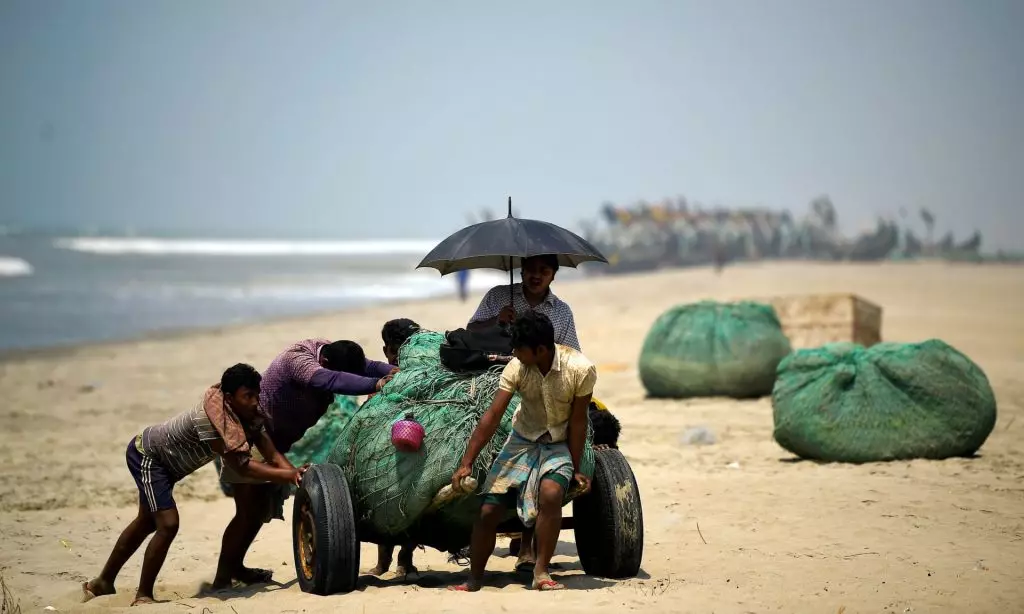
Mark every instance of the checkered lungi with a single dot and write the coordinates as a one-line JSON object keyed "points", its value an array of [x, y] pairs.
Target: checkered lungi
{"points": [[520, 466]]}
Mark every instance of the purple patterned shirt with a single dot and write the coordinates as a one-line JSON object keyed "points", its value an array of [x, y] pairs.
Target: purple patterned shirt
{"points": [[296, 391]]}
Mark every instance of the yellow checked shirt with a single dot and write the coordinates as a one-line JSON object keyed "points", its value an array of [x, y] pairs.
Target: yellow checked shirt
{"points": [[546, 400]]}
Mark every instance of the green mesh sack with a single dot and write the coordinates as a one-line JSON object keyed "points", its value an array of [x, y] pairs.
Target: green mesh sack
{"points": [[318, 441], [711, 349], [392, 489], [843, 402]]}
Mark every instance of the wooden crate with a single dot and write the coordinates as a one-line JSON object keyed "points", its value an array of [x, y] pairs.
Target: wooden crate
{"points": [[814, 320]]}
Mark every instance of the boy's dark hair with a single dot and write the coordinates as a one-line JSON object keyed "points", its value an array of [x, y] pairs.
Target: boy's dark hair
{"points": [[396, 332], [345, 356], [606, 427], [533, 330], [240, 376], [550, 260]]}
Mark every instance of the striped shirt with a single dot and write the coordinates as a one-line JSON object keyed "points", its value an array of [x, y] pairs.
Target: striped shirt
{"points": [[554, 308], [182, 444]]}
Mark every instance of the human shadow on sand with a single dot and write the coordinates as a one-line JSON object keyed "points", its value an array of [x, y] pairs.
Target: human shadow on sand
{"points": [[569, 573], [492, 579], [243, 591]]}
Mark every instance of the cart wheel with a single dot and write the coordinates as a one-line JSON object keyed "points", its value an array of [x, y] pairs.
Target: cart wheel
{"points": [[324, 537], [609, 520]]}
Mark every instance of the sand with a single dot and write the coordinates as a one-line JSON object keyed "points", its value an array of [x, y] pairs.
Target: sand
{"points": [[775, 535]]}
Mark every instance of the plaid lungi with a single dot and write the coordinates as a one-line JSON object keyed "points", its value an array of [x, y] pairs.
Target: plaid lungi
{"points": [[521, 465]]}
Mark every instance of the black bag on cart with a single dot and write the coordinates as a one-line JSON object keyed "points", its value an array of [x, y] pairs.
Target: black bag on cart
{"points": [[469, 351]]}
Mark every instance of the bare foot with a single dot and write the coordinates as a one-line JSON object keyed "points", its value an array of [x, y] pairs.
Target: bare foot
{"points": [[466, 587], [143, 600], [96, 588], [379, 570], [407, 572], [526, 561], [254, 575]]}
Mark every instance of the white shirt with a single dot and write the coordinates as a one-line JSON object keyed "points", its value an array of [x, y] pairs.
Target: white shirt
{"points": [[557, 310]]}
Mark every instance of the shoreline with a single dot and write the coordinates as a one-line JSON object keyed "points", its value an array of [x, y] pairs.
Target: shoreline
{"points": [[185, 332], [16, 354]]}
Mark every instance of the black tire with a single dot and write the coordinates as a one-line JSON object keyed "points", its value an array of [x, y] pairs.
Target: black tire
{"points": [[323, 517], [609, 520]]}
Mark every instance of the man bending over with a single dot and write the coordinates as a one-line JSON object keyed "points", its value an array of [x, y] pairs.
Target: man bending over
{"points": [[542, 454], [298, 387], [227, 422]]}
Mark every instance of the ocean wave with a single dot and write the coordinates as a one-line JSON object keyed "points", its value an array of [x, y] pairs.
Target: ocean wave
{"points": [[116, 246], [14, 267], [351, 289]]}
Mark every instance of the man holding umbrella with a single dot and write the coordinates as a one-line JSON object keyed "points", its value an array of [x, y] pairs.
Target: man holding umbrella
{"points": [[532, 294], [538, 247]]}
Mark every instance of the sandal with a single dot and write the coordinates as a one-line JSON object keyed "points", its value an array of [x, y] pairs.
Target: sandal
{"points": [[463, 588], [547, 584]]}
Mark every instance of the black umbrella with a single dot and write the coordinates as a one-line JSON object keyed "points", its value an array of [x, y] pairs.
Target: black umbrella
{"points": [[503, 244]]}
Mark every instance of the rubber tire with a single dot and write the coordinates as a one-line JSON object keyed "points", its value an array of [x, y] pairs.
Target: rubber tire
{"points": [[336, 565], [609, 520]]}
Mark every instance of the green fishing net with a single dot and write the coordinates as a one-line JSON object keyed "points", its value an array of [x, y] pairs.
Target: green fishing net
{"points": [[713, 349], [843, 402]]}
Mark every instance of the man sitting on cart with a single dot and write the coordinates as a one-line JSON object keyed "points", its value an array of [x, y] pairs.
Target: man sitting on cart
{"points": [[533, 294], [542, 455]]}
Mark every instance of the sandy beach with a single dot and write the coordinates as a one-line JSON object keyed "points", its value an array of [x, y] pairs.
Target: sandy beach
{"points": [[775, 534]]}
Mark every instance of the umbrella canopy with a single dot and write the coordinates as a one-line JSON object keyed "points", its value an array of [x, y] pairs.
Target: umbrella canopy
{"points": [[503, 244]]}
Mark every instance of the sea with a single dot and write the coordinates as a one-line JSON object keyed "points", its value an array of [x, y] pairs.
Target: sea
{"points": [[65, 290]]}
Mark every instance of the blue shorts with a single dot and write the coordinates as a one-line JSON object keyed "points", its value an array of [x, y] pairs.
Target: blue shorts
{"points": [[154, 481]]}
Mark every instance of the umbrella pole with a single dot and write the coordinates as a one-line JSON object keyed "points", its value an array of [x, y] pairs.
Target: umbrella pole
{"points": [[511, 279]]}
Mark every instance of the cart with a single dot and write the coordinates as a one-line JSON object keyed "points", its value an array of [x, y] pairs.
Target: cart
{"points": [[328, 527]]}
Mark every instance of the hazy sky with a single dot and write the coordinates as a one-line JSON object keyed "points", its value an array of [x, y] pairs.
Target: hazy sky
{"points": [[306, 118]]}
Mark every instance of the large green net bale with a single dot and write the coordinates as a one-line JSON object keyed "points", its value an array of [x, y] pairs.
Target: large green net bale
{"points": [[843, 402], [711, 349], [392, 489]]}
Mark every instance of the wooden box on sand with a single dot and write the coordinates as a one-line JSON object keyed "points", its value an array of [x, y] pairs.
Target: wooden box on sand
{"points": [[814, 320]]}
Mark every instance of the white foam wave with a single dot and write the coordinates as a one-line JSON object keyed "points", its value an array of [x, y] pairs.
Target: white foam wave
{"points": [[410, 286], [242, 247], [14, 267]]}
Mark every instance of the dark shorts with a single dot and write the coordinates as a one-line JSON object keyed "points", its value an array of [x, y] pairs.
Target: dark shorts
{"points": [[508, 498], [154, 481]]}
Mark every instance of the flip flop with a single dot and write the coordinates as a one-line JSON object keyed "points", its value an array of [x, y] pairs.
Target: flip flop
{"points": [[462, 588], [525, 565], [547, 585]]}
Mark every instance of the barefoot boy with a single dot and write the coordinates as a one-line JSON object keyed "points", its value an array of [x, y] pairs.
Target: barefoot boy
{"points": [[395, 333], [226, 421], [542, 454]]}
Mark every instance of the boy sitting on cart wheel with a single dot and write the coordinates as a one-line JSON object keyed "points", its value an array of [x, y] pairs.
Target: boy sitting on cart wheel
{"points": [[542, 455]]}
